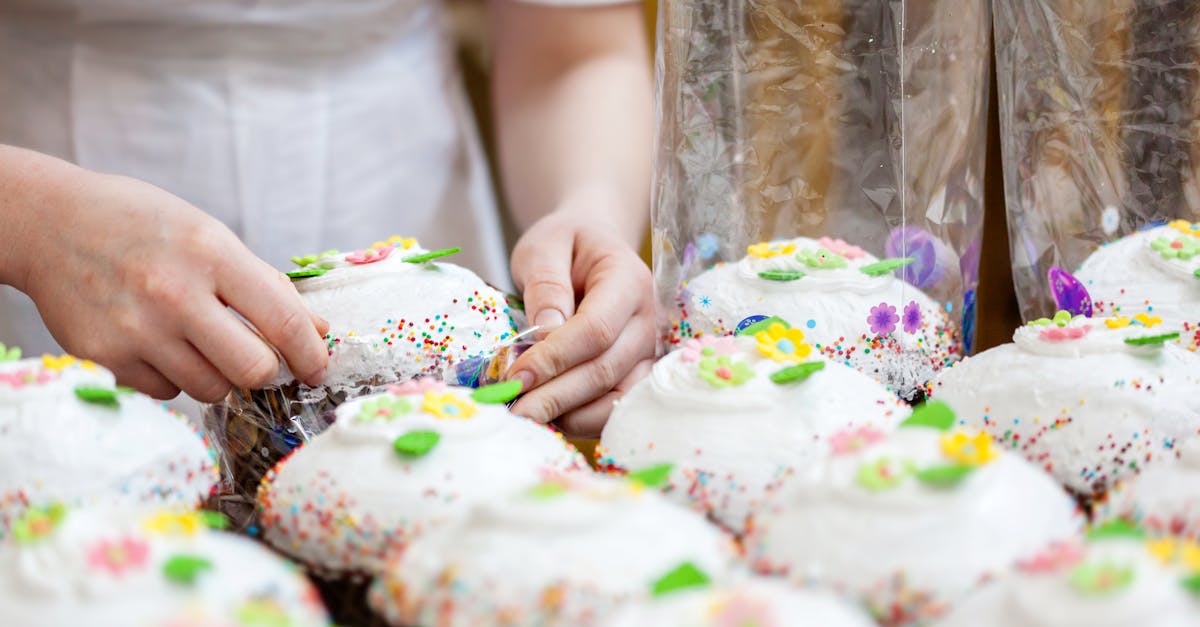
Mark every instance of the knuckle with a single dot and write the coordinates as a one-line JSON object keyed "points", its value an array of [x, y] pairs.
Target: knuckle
{"points": [[257, 372], [600, 333], [604, 373], [162, 288], [291, 327], [211, 392], [547, 285]]}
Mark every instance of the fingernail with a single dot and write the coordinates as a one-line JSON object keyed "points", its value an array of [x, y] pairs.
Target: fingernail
{"points": [[318, 378], [526, 379], [549, 319]]}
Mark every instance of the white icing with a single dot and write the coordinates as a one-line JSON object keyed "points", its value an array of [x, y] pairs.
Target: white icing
{"points": [[764, 602], [1088, 416], [570, 559], [823, 525], [1098, 337], [55, 447], [366, 303], [1127, 277], [1155, 597], [729, 444], [346, 499], [1164, 499], [57, 581]]}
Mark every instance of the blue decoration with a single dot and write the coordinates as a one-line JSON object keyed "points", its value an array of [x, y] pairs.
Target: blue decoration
{"points": [[748, 321], [968, 322], [811, 324], [708, 245]]}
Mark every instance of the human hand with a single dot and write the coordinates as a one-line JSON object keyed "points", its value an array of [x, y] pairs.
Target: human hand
{"points": [[139, 281], [594, 351]]}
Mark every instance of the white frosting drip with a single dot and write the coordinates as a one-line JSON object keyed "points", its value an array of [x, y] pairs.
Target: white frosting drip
{"points": [[823, 525], [352, 475], [729, 444], [1165, 498], [1130, 276], [58, 580], [55, 447], [579, 556], [1154, 597]]}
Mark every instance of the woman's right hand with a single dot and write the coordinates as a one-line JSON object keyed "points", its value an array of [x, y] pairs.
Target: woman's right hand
{"points": [[140, 281]]}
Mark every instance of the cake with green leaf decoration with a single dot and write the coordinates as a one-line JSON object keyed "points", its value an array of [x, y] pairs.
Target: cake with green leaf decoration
{"points": [[910, 523], [1090, 400], [568, 552], [734, 414], [849, 304], [1116, 577], [1164, 499], [70, 435], [110, 567], [400, 462]]}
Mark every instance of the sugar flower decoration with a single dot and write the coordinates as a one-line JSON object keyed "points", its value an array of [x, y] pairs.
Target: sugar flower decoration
{"points": [[912, 317], [175, 523], [854, 440], [822, 258], [882, 474], [117, 557], [38, 523], [263, 612], [782, 344], [447, 406], [1142, 319], [384, 408], [1101, 578], [743, 612], [395, 241], [882, 319], [1183, 248], [840, 247], [1059, 334], [18, 379], [308, 260], [371, 255], [723, 371], [9, 354], [1057, 557], [57, 364], [694, 350], [766, 250], [971, 450], [1171, 551], [1185, 227], [708, 245], [417, 386]]}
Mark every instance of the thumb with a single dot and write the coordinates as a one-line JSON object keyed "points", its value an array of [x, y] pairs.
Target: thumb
{"points": [[542, 273]]}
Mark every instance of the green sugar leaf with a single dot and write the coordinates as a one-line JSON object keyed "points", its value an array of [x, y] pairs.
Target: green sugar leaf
{"points": [[944, 477], [184, 570], [780, 275], [546, 491], [935, 414], [1192, 584], [797, 373], [684, 576], [9, 354], [214, 520], [763, 325], [882, 267], [652, 477], [1151, 340], [1116, 529], [97, 396], [306, 273], [497, 393], [416, 443], [431, 255]]}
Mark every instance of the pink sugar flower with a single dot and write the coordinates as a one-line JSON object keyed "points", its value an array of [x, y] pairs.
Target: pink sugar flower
{"points": [[849, 251], [1058, 334], [693, 350], [1058, 556], [419, 385], [118, 557], [854, 440], [18, 379], [370, 255]]}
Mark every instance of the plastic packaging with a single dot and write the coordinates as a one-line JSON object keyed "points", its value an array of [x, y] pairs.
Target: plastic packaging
{"points": [[855, 120], [1100, 130]]}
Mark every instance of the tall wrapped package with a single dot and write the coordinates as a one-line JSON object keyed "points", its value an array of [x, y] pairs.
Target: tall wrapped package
{"points": [[1100, 122], [819, 178]]}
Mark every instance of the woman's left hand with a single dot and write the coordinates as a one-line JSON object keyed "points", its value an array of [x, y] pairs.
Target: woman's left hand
{"points": [[592, 296]]}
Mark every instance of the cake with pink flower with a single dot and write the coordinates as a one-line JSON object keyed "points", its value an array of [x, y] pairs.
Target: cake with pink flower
{"points": [[403, 461], [912, 523], [110, 567], [848, 303], [1090, 400], [1164, 499], [69, 435], [1114, 578], [733, 414]]}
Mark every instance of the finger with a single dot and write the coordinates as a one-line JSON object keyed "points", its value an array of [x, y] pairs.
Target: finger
{"points": [[279, 314], [190, 371], [588, 421], [591, 379], [144, 378], [319, 323], [617, 292], [543, 276], [229, 345]]}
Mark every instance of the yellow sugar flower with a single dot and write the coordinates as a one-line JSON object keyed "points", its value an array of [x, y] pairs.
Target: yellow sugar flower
{"points": [[782, 344], [1170, 551], [971, 450], [50, 362], [766, 250], [395, 241], [175, 523], [1185, 227], [447, 406], [1148, 320], [1117, 323]]}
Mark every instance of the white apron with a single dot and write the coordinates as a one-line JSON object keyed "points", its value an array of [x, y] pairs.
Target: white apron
{"points": [[302, 124]]}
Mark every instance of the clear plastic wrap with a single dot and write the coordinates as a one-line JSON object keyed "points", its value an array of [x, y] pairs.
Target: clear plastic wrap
{"points": [[854, 120], [1100, 129]]}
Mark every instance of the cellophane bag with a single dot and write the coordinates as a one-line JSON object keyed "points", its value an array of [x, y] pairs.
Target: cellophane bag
{"points": [[821, 162], [1100, 126]]}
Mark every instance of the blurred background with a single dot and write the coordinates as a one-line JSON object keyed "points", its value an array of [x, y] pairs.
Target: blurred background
{"points": [[998, 313]]}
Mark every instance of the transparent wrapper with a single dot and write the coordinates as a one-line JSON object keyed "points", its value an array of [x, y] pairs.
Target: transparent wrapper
{"points": [[1100, 130], [856, 120]]}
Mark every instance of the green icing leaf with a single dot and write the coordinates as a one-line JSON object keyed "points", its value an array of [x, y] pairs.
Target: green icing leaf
{"points": [[797, 373], [1197, 273], [497, 393], [944, 476], [185, 569], [935, 414], [416, 443], [780, 275], [305, 273], [1061, 318], [684, 576], [652, 477], [1151, 340], [882, 267], [431, 255], [9, 354], [763, 325], [98, 396], [1116, 529], [214, 520], [1192, 584], [546, 491]]}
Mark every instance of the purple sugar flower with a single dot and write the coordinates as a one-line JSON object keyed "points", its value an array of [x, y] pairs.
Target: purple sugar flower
{"points": [[883, 319], [912, 317]]}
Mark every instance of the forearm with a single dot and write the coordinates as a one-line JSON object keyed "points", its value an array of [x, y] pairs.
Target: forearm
{"points": [[572, 96]]}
